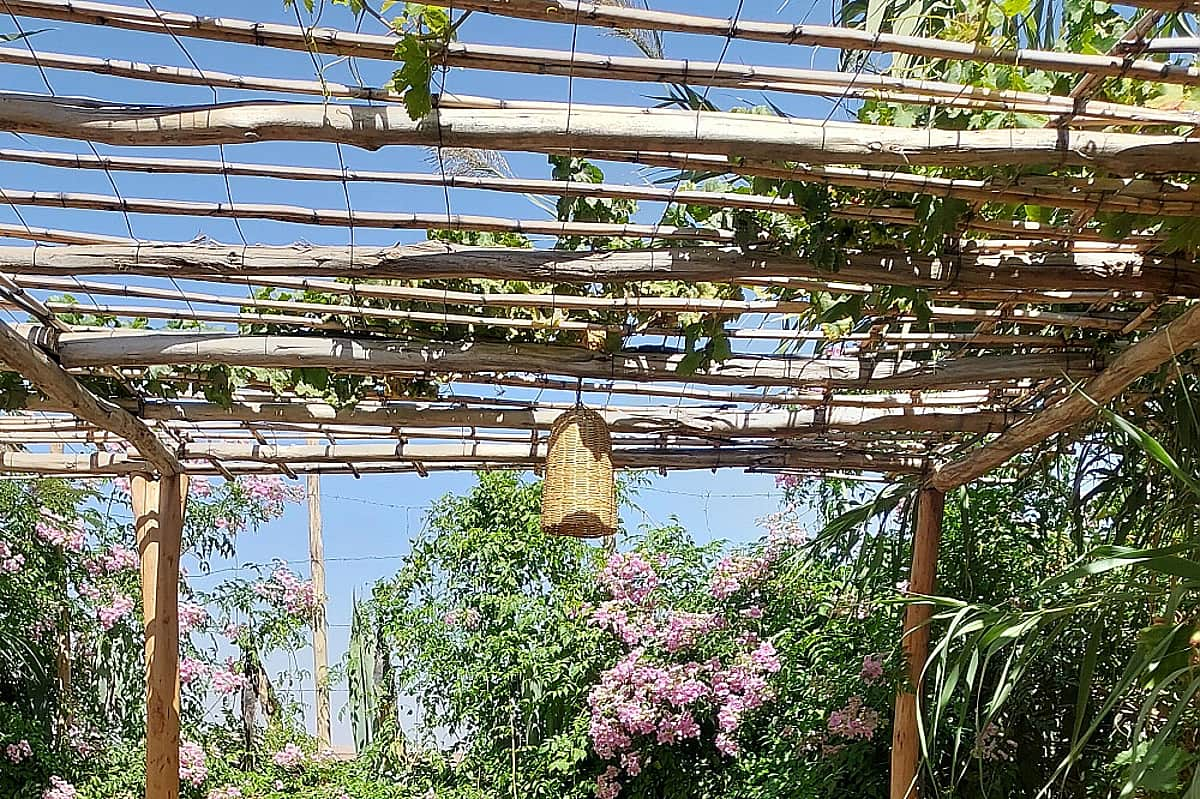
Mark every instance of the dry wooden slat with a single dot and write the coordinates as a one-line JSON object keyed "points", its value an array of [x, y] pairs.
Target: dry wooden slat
{"points": [[1132, 195], [53, 236], [1145, 356], [588, 12], [363, 219], [23, 355], [479, 457], [527, 60], [762, 137], [130, 348], [1010, 271], [718, 422], [342, 42]]}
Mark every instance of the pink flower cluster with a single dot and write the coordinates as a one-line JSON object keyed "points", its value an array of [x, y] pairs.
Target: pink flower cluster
{"points": [[225, 680], [191, 615], [271, 491], [193, 765], [645, 699], [117, 559], [71, 536], [10, 562], [855, 720], [228, 792], [872, 669], [19, 751], [289, 757], [990, 744], [288, 591], [467, 618], [199, 486], [60, 789], [735, 572], [191, 669], [114, 611], [787, 480], [629, 578]]}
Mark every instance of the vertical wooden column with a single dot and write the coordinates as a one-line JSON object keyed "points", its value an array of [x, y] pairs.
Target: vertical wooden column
{"points": [[906, 744], [316, 555], [158, 507]]}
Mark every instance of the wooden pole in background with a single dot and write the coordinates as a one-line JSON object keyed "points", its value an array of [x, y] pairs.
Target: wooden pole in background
{"points": [[316, 554], [158, 507], [906, 743]]}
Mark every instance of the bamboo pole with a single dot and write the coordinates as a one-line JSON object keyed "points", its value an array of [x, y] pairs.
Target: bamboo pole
{"points": [[922, 580], [418, 458], [998, 270], [588, 12], [577, 64], [1133, 195], [330, 217], [133, 349], [327, 40], [767, 138], [717, 422], [23, 355], [1145, 356], [158, 506], [316, 556]]}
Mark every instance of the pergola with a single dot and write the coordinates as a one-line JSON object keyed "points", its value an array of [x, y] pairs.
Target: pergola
{"points": [[1028, 325]]}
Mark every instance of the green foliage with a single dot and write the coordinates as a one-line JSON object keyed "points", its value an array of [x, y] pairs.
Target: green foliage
{"points": [[423, 30]]}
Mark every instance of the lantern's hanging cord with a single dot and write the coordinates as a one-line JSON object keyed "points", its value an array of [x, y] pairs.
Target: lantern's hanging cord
{"points": [[579, 393]]}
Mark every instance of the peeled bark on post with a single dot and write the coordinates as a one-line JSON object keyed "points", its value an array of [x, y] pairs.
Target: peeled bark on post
{"points": [[906, 740], [158, 507], [316, 553]]}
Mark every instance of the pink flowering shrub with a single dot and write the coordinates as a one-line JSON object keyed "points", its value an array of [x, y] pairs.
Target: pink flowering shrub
{"points": [[11, 561], [289, 757], [193, 764], [60, 789], [117, 608], [666, 691], [18, 751]]}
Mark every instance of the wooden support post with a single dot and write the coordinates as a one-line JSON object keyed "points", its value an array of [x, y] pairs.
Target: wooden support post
{"points": [[158, 507], [906, 743], [316, 554]]}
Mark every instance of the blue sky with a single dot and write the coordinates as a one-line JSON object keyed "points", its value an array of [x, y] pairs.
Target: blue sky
{"points": [[369, 522]]}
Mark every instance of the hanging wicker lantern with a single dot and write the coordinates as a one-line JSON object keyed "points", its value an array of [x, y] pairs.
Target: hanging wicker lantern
{"points": [[578, 498]]}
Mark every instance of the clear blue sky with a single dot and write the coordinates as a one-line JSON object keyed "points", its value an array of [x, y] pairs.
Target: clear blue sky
{"points": [[369, 522]]}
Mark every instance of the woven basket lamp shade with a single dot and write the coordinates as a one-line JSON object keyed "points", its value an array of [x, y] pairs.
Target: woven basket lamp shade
{"points": [[578, 497]]}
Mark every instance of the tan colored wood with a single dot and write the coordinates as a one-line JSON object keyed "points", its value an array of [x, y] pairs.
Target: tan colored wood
{"points": [[718, 422], [770, 138], [906, 741], [132, 349], [369, 459], [330, 217], [992, 270], [316, 558], [341, 42], [1145, 356], [158, 507], [24, 355]]}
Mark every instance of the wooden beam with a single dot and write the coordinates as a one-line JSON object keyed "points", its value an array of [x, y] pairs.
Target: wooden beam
{"points": [[717, 422], [1003, 270], [369, 458], [1145, 356], [328, 40], [922, 579], [29, 360], [379, 356], [334, 217], [770, 138], [158, 507], [316, 558]]}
